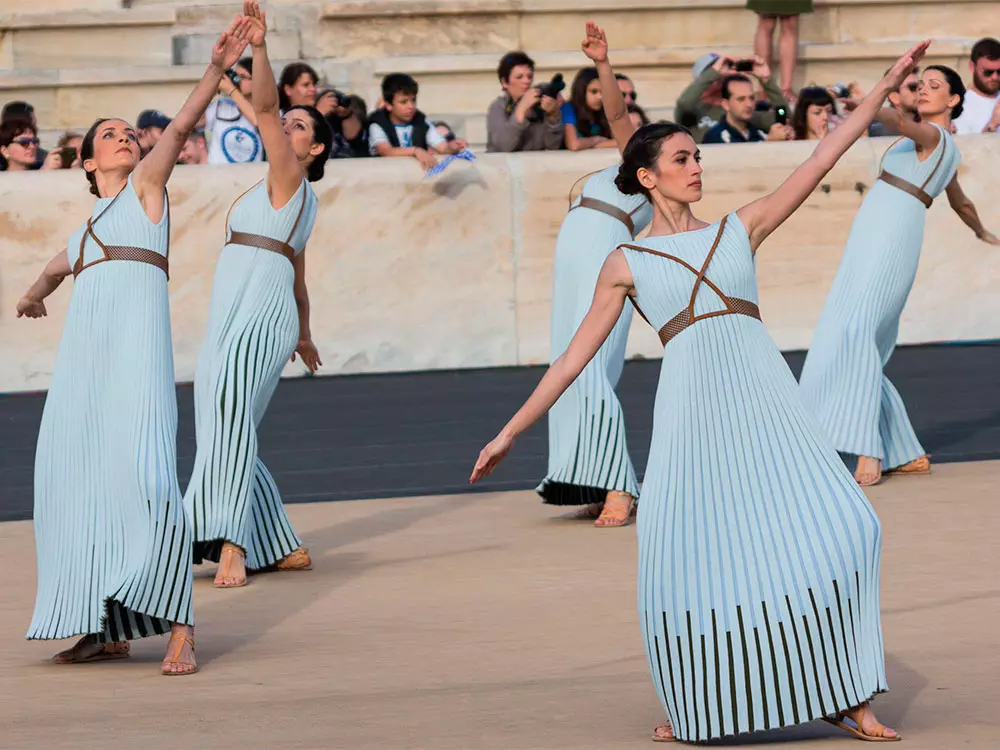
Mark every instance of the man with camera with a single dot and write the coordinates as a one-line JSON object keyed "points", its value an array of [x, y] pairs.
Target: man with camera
{"points": [[700, 106], [525, 117], [737, 125]]}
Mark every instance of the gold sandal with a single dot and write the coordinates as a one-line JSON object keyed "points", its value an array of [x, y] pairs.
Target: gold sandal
{"points": [[174, 648], [657, 737], [916, 467], [877, 736], [108, 652], [615, 517], [229, 551], [296, 560]]}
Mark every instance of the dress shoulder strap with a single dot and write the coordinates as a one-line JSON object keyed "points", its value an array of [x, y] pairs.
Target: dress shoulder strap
{"points": [[569, 196], [78, 266], [242, 195], [944, 147], [302, 208], [884, 153]]}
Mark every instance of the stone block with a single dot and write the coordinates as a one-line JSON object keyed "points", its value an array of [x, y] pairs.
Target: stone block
{"points": [[196, 49], [89, 47]]}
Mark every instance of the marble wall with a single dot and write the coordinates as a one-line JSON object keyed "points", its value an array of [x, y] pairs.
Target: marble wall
{"points": [[413, 273]]}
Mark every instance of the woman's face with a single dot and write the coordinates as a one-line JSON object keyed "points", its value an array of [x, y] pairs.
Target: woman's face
{"points": [[935, 96], [303, 92], [594, 98], [246, 81], [521, 78], [299, 128], [818, 121], [22, 153], [677, 176], [116, 148]]}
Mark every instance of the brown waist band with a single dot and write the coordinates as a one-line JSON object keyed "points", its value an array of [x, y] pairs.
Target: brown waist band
{"points": [[907, 187], [684, 319], [607, 208], [127, 252], [264, 243]]}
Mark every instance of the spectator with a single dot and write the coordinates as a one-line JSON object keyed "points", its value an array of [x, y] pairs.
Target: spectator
{"points": [[637, 115], [700, 105], [769, 12], [739, 106], [982, 99], [349, 122], [584, 123], [297, 87], [814, 111], [19, 145], [66, 154], [400, 129], [445, 130], [521, 119], [905, 99], [627, 88], [230, 120], [150, 125], [195, 152], [18, 110]]}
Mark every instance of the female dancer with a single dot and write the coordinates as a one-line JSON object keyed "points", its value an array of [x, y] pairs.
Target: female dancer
{"points": [[589, 463], [114, 547], [758, 553], [842, 380], [260, 309]]}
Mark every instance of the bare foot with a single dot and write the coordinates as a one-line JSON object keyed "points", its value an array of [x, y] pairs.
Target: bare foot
{"points": [[89, 648], [617, 510], [867, 724], [180, 659], [868, 471], [232, 572], [663, 733]]}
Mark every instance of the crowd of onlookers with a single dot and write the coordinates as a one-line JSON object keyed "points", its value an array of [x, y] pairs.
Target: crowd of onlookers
{"points": [[728, 101]]}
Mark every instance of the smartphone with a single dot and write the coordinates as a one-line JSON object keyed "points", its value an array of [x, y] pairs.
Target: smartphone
{"points": [[781, 115], [743, 66]]}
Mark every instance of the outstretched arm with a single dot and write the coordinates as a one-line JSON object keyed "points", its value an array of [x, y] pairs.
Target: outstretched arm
{"points": [[613, 285], [923, 134], [766, 214], [32, 304], [595, 46], [962, 205]]}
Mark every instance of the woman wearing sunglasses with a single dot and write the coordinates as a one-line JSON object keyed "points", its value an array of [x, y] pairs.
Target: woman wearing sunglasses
{"points": [[19, 146]]}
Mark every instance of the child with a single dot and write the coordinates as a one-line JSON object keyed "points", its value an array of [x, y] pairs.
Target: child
{"points": [[398, 128]]}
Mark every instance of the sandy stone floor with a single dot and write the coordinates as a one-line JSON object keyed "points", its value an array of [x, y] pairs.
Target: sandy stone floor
{"points": [[486, 621]]}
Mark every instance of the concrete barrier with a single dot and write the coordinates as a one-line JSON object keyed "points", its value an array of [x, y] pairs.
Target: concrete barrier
{"points": [[413, 273]]}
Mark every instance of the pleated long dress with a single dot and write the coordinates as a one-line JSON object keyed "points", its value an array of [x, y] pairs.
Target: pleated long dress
{"points": [[253, 328], [113, 542], [842, 380], [758, 554], [588, 453]]}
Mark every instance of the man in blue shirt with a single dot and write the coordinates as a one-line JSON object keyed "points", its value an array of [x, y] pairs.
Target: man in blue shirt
{"points": [[739, 103]]}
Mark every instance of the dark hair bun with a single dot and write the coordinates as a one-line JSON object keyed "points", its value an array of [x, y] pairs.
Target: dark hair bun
{"points": [[641, 152], [627, 181]]}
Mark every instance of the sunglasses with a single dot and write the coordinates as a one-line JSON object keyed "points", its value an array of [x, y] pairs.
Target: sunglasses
{"points": [[25, 142], [633, 95], [987, 73], [912, 87]]}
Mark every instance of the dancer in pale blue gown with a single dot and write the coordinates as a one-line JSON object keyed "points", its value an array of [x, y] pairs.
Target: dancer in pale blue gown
{"points": [[758, 554], [113, 542], [259, 318], [842, 380]]}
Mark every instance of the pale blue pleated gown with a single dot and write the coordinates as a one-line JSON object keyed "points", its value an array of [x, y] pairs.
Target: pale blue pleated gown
{"points": [[842, 380], [114, 546], [758, 554], [253, 328], [588, 452]]}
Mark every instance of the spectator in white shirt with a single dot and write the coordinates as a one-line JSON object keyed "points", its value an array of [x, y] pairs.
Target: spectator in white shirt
{"points": [[398, 128], [982, 99], [230, 121]]}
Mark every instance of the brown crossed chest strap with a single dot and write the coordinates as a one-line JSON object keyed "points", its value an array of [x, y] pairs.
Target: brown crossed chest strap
{"points": [[606, 208], [687, 317], [261, 241], [920, 193], [123, 252]]}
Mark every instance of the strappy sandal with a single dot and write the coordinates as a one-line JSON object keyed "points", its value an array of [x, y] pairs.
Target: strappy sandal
{"points": [[873, 482], [296, 560], [108, 652], [615, 517], [657, 737], [174, 648], [877, 736], [230, 550], [916, 467], [590, 512]]}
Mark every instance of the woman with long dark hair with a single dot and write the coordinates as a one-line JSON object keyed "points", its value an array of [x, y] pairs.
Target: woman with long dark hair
{"points": [[814, 111], [758, 553], [297, 86], [585, 124], [259, 318], [114, 543], [842, 379]]}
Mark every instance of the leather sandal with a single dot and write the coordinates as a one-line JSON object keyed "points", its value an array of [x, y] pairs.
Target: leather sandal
{"points": [[872, 482], [659, 736], [878, 734], [589, 512], [915, 467], [174, 648], [296, 560], [107, 652], [229, 551], [615, 517]]}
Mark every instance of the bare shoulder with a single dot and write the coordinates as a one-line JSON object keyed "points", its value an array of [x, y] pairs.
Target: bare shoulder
{"points": [[616, 271]]}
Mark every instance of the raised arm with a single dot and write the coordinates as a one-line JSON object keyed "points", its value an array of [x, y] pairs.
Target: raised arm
{"points": [[766, 214], [284, 173], [613, 285], [595, 46], [153, 172], [32, 304], [924, 134], [962, 205]]}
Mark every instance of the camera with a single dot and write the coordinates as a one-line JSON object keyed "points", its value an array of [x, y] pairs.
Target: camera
{"points": [[551, 89], [841, 91], [233, 76], [743, 66]]}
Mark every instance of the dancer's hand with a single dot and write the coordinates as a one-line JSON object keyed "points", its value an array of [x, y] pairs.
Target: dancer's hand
{"points": [[228, 49], [595, 46], [905, 65], [29, 307], [310, 355], [989, 238], [257, 22], [491, 456]]}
